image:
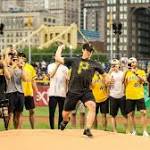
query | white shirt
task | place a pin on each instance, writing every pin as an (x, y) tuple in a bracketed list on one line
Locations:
[(117, 89), (58, 83)]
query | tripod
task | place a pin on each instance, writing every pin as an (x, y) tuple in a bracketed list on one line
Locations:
[(4, 112)]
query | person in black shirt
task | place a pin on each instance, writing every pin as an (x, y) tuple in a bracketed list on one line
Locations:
[(2, 79), (82, 72)]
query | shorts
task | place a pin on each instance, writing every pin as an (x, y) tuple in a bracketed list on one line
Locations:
[(131, 105), (29, 102), (73, 98), (80, 106), (103, 107), (16, 102), (115, 104)]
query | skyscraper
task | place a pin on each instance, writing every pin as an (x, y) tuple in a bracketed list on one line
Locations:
[(93, 16), (22, 5), (66, 12), (134, 16)]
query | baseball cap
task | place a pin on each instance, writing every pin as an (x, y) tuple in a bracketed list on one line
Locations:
[(115, 62), (132, 60), (20, 54), (88, 47)]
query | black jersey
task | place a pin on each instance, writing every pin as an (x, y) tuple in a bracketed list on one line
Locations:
[(82, 73)]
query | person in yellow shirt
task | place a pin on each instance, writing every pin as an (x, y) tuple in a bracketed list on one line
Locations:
[(134, 91), (28, 88), (100, 92)]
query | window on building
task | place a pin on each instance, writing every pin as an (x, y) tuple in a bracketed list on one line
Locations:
[(49, 19), (108, 9), (45, 19), (124, 24), (114, 47), (108, 48), (114, 8), (114, 40), (121, 8), (114, 16)]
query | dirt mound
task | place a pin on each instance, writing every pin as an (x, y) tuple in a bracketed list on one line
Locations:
[(70, 140)]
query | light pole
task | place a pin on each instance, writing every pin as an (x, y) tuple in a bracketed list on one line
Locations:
[(29, 25), (117, 34), (29, 46), (111, 34), (85, 18), (70, 47)]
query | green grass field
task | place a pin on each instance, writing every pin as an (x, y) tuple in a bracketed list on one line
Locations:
[(44, 124)]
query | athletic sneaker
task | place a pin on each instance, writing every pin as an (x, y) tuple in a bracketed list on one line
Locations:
[(87, 132), (145, 134), (133, 132), (63, 125)]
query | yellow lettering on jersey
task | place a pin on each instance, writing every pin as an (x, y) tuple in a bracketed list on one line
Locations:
[(83, 66)]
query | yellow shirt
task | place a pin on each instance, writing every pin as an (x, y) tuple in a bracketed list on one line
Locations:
[(134, 89), (99, 88), (31, 74)]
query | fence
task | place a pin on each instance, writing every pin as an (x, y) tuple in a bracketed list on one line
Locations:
[(42, 98)]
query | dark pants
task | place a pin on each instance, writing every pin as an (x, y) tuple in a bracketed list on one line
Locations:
[(53, 100)]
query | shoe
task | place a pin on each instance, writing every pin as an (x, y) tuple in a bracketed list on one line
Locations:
[(133, 132), (63, 125), (145, 134), (87, 132)]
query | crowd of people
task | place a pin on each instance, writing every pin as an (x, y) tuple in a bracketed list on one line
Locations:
[(19, 82), (76, 83)]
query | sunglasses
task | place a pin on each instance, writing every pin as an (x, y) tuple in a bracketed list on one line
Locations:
[(15, 59), (113, 66)]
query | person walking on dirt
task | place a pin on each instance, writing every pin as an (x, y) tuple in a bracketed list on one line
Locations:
[(14, 75), (134, 91), (116, 93), (82, 72), (28, 88), (100, 92), (58, 74)]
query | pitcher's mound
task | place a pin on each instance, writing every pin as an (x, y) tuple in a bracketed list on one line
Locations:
[(70, 139)]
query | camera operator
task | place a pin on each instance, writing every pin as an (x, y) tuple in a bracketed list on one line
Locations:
[(2, 78), (14, 73), (134, 80), (3, 101)]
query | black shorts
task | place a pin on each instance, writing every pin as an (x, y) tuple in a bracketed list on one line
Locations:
[(16, 102), (115, 104), (72, 99), (103, 107), (131, 105), (29, 102)]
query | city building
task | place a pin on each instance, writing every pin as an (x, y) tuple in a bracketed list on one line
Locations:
[(22, 5), (93, 16), (66, 12), (18, 26), (134, 35)]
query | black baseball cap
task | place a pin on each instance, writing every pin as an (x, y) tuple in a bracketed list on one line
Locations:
[(88, 47), (20, 54)]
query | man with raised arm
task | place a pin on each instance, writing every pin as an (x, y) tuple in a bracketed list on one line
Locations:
[(82, 72)]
